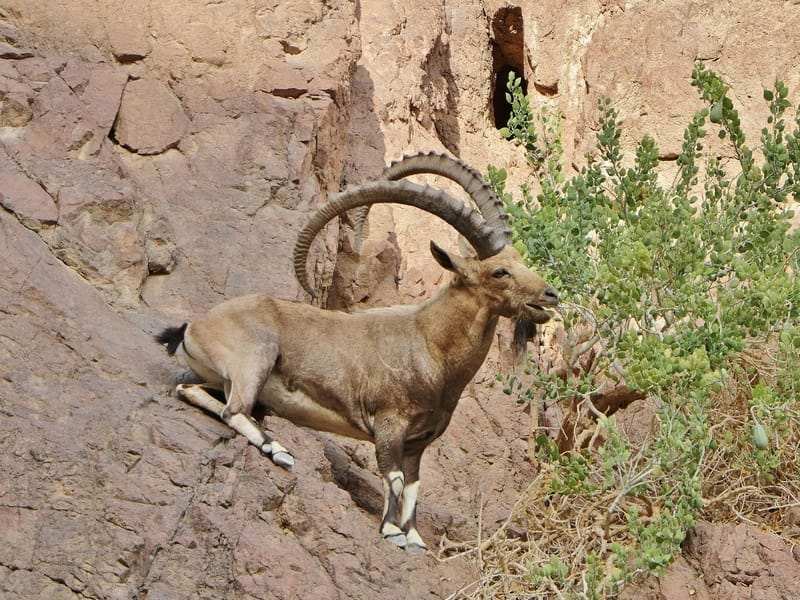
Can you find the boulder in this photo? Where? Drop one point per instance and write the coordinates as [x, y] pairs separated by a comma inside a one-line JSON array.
[[151, 118]]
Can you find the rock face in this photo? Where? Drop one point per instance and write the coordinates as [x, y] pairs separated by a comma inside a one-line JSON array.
[[26, 198], [150, 118], [157, 159], [727, 562]]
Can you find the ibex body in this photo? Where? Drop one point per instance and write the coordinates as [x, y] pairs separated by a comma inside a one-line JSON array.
[[392, 376]]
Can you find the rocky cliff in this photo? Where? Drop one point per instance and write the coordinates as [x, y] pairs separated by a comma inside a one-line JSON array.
[[156, 158]]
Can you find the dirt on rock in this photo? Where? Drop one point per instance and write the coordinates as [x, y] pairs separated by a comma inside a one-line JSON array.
[[727, 562], [157, 159]]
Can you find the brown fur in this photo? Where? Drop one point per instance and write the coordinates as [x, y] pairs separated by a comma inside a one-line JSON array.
[[391, 375]]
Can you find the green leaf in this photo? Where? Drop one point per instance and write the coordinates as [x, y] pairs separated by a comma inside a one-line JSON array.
[[759, 436], [715, 116], [768, 95]]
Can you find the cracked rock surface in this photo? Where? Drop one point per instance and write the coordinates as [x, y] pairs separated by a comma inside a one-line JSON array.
[[150, 118]]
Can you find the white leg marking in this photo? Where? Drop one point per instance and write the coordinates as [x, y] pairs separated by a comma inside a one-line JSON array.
[[393, 534], [396, 478], [385, 499], [241, 423], [247, 428], [276, 447], [390, 529], [413, 539], [409, 501], [199, 397]]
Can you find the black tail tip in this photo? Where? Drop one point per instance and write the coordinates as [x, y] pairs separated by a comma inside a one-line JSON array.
[[171, 337]]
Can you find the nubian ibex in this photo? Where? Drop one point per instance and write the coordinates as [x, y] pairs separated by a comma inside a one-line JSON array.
[[392, 376]]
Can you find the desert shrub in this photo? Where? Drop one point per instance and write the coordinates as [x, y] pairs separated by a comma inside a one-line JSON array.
[[680, 291]]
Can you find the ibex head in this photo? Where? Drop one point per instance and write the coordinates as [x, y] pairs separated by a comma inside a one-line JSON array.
[[502, 283]]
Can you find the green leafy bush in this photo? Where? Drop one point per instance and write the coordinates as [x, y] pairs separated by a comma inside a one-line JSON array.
[[673, 285]]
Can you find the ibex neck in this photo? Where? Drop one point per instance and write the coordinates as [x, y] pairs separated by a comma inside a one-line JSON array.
[[459, 330]]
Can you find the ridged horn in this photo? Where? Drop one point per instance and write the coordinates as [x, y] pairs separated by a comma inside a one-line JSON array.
[[437, 163], [466, 220], [469, 179]]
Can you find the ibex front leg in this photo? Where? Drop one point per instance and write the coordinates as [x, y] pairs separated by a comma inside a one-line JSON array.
[[389, 436], [408, 516]]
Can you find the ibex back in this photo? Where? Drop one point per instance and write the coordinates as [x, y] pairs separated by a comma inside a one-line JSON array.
[[392, 376]]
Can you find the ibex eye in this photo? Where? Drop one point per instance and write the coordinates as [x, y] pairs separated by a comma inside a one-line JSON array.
[[500, 273]]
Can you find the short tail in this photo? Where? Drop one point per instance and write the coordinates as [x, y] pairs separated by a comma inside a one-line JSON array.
[[171, 337]]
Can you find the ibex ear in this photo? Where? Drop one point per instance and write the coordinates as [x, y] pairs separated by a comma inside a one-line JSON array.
[[448, 261]]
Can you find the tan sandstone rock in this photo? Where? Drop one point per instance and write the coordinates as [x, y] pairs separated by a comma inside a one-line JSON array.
[[25, 197], [151, 118], [128, 29], [725, 562]]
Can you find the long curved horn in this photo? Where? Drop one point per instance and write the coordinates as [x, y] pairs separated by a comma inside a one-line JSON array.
[[437, 163], [466, 220], [469, 179]]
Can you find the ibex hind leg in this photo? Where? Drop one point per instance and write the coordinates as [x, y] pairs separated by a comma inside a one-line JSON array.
[[389, 452], [241, 393], [197, 395]]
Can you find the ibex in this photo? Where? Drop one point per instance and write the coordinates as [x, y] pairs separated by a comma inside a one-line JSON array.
[[392, 376]]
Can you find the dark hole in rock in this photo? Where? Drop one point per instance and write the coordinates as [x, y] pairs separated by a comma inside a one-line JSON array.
[[501, 108], [508, 54]]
